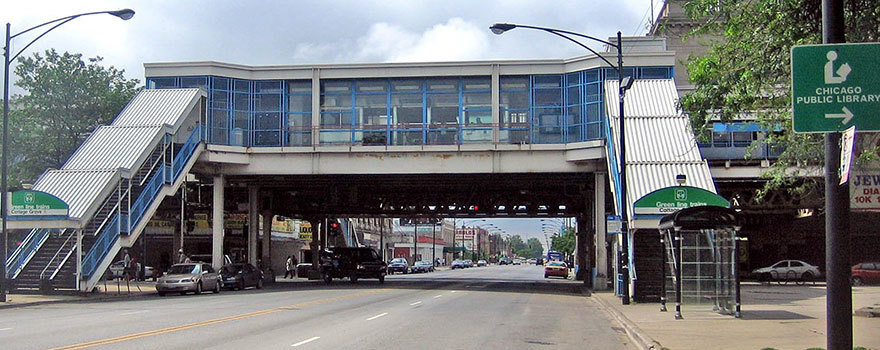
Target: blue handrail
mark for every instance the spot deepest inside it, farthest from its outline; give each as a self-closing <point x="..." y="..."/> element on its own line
<point x="105" y="240"/>
<point x="612" y="162"/>
<point x="146" y="197"/>
<point x="27" y="249"/>
<point x="185" y="153"/>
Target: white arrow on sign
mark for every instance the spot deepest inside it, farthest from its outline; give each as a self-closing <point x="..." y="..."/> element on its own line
<point x="846" y="115"/>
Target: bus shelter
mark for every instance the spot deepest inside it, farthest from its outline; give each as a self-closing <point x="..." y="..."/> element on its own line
<point x="700" y="258"/>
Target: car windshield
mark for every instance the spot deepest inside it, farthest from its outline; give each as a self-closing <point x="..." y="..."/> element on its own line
<point x="557" y="263"/>
<point x="183" y="269"/>
<point x="423" y="263"/>
<point x="232" y="269"/>
<point x="398" y="261"/>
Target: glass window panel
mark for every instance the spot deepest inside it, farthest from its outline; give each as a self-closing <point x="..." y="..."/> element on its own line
<point x="443" y="100"/>
<point x="574" y="133"/>
<point x="442" y="84"/>
<point x="407" y="137"/>
<point x="574" y="95"/>
<point x="335" y="137"/>
<point x="240" y="120"/>
<point x="409" y="116"/>
<point x="374" y="138"/>
<point x="594" y="131"/>
<point x="267" y="138"/>
<point x="370" y="86"/>
<point x="300" y="87"/>
<point x="219" y="119"/>
<point x="406" y="100"/>
<point x="163" y="83"/>
<point x="549" y="120"/>
<point x="265" y="121"/>
<point x="476" y="83"/>
<point x="443" y="136"/>
<point x="337" y="120"/>
<point x="296" y="138"/>
<point x="240" y="85"/>
<point x="514" y="83"/>
<point x="406" y="85"/>
<point x="268" y="102"/>
<point x="219" y="99"/>
<point x="655" y="73"/>
<point x="573" y="78"/>
<point x="478" y="117"/>
<point x="591" y="75"/>
<point x="335" y="102"/>
<point x="219" y="136"/>
<point x="593" y="112"/>
<point x="335" y="87"/>
<point x="219" y="83"/>
<point x="514" y="117"/>
<point x="574" y="115"/>
<point x="299" y="121"/>
<point x="478" y="99"/>
<point x="720" y="139"/>
<point x="239" y="137"/>
<point x="611" y="74"/>
<point x="372" y="101"/>
<point x="300" y="103"/>
<point x="268" y="86"/>
<point x="743" y="139"/>
<point x="592" y="93"/>
<point x="548" y="81"/>
<point x="240" y="101"/>
<point x="514" y="99"/>
<point x="548" y="97"/>
<point x="190" y="82"/>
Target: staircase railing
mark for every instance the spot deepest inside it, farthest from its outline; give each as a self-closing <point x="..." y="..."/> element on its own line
<point x="59" y="252"/>
<point x="613" y="167"/>
<point x="102" y="245"/>
<point x="146" y="197"/>
<point x="26" y="251"/>
<point x="186" y="152"/>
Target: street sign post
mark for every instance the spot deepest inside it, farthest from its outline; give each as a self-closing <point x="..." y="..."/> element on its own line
<point x="835" y="86"/>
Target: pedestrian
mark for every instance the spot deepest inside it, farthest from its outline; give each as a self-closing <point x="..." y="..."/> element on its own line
<point x="289" y="267"/>
<point x="295" y="262"/>
<point x="181" y="257"/>
<point x="126" y="265"/>
<point x="133" y="265"/>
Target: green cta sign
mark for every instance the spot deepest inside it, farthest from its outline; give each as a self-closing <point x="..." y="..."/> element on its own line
<point x="28" y="203"/>
<point x="835" y="86"/>
<point x="668" y="200"/>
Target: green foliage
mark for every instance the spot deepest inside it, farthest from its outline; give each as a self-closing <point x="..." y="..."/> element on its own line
<point x="747" y="72"/>
<point x="66" y="99"/>
<point x="564" y="243"/>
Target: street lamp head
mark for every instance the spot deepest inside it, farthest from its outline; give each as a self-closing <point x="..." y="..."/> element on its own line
<point x="125" y="14"/>
<point x="499" y="28"/>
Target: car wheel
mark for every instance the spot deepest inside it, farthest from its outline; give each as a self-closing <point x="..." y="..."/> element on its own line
<point x="240" y="285"/>
<point x="806" y="277"/>
<point x="328" y="279"/>
<point x="353" y="277"/>
<point x="217" y="287"/>
<point x="199" y="288"/>
<point x="161" y="294"/>
<point x="260" y="283"/>
<point x="381" y="279"/>
<point x="182" y="293"/>
<point x="857" y="281"/>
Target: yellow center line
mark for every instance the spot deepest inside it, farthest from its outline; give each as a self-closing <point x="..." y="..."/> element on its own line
<point x="214" y="321"/>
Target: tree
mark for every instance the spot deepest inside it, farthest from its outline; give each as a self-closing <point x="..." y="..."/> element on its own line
<point x="747" y="72"/>
<point x="66" y="99"/>
<point x="563" y="243"/>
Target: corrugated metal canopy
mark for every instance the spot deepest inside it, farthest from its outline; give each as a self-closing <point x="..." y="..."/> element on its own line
<point x="112" y="147"/>
<point x="158" y="107"/>
<point x="80" y="189"/>
<point x="659" y="140"/>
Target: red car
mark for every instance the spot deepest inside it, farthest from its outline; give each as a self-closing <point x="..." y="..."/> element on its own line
<point x="866" y="273"/>
<point x="556" y="268"/>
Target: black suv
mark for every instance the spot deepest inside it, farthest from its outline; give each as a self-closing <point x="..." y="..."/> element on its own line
<point x="354" y="263"/>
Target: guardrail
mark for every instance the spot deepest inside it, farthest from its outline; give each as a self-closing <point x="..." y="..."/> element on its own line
<point x="25" y="251"/>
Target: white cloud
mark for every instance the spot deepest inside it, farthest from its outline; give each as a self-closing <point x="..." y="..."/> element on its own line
<point x="456" y="39"/>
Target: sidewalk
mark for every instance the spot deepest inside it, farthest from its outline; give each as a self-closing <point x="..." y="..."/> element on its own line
<point x="21" y="300"/>
<point x="780" y="317"/>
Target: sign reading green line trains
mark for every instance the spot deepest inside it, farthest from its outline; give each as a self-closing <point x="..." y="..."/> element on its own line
<point x="668" y="200"/>
<point x="835" y="87"/>
<point x="28" y="203"/>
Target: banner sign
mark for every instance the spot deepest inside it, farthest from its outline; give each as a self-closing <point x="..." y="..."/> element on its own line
<point x="30" y="204"/>
<point x="668" y="200"/>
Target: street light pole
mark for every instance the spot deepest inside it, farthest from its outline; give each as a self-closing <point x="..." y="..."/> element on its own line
<point x="124" y="14"/>
<point x="622" y="85"/>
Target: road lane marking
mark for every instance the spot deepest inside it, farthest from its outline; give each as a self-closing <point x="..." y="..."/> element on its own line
<point x="377" y="316"/>
<point x="453" y="291"/>
<point x="437" y="296"/>
<point x="5" y="329"/>
<point x="134" y="312"/>
<point x="306" y="341"/>
<point x="415" y="303"/>
<point x="213" y="321"/>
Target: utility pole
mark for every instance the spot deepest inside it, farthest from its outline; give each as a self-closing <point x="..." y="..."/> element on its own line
<point x="416" y="241"/>
<point x="433" y="242"/>
<point x="838" y="302"/>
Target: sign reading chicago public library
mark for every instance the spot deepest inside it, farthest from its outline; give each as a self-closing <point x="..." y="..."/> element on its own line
<point x="668" y="200"/>
<point x="835" y="86"/>
<point x="28" y="203"/>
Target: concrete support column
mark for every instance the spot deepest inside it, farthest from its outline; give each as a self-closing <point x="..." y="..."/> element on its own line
<point x="79" y="256"/>
<point x="496" y="107"/>
<point x="253" y="223"/>
<point x="601" y="280"/>
<point x="267" y="240"/>
<point x="316" y="106"/>
<point x="217" y="223"/>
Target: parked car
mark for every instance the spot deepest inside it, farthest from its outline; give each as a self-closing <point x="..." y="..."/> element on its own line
<point x="189" y="277"/>
<point x="302" y="269"/>
<point x="789" y="270"/>
<point x="116" y="271"/>
<point x="866" y="273"/>
<point x="422" y="266"/>
<point x="482" y="263"/>
<point x="468" y="263"/>
<point x="556" y="268"/>
<point x="505" y="261"/>
<point x="208" y="258"/>
<point x="457" y="264"/>
<point x="517" y="262"/>
<point x="531" y="261"/>
<point x="241" y="275"/>
<point x="539" y="261"/>
<point x="398" y="265"/>
<point x="352" y="262"/>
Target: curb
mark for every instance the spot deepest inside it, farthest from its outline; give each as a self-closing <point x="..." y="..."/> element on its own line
<point x="85" y="299"/>
<point x="636" y="335"/>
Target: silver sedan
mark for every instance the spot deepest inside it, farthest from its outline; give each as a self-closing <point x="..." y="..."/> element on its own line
<point x="191" y="277"/>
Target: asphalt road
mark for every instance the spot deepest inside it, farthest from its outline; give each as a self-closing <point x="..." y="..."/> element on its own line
<point x="496" y="307"/>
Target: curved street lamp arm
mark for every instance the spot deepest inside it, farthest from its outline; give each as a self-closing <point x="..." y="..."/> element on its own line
<point x="13" y="57"/>
<point x="553" y="31"/>
<point x="67" y="18"/>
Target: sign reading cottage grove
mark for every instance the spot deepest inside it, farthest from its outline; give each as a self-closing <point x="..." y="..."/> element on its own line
<point x="28" y="203"/>
<point x="668" y="200"/>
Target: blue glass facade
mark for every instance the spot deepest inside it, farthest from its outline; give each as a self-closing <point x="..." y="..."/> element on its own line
<point x="534" y="109"/>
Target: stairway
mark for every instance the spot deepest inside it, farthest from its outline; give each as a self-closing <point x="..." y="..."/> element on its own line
<point x="30" y="276"/>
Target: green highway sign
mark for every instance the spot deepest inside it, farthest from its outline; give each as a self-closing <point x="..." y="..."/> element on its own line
<point x="835" y="86"/>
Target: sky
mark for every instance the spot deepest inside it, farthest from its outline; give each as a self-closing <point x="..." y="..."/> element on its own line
<point x="322" y="31"/>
